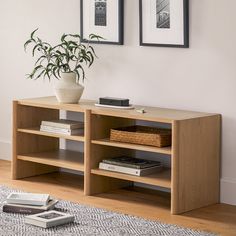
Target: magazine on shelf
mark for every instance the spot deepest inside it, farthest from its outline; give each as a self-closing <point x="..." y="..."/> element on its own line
<point x="65" y="131"/>
<point x="28" y="209"/>
<point x="28" y="199"/>
<point x="128" y="170"/>
<point x="63" y="123"/>
<point x="49" y="219"/>
<point x="131" y="162"/>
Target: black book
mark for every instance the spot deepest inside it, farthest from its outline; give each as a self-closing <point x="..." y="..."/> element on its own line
<point x="132" y="162"/>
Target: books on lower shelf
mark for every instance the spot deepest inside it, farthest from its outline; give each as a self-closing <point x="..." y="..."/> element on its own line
<point x="131" y="162"/>
<point x="49" y="219"/>
<point x="130" y="165"/>
<point x="62" y="126"/>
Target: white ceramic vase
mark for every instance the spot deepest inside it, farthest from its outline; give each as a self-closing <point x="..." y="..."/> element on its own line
<point x="67" y="90"/>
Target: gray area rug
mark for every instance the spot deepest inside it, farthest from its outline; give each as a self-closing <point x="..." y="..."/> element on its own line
<point x="89" y="221"/>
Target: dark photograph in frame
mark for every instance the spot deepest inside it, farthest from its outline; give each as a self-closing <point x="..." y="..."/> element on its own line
<point x="104" y="18"/>
<point x="164" y="23"/>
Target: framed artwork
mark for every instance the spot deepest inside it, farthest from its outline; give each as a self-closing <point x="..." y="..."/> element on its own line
<point x="104" y="18"/>
<point x="164" y="23"/>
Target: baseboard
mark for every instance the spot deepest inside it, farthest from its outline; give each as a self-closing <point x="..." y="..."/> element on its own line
<point x="228" y="191"/>
<point x="5" y="150"/>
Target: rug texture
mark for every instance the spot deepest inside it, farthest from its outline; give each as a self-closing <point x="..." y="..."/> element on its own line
<point x="89" y="221"/>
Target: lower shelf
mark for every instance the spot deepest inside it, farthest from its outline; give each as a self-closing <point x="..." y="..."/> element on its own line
<point x="60" y="158"/>
<point x="161" y="179"/>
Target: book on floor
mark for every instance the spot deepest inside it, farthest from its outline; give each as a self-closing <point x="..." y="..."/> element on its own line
<point x="65" y="131"/>
<point x="131" y="162"/>
<point x="28" y="199"/>
<point x="28" y="209"/>
<point x="49" y="219"/>
<point x="128" y="170"/>
<point x="63" y="123"/>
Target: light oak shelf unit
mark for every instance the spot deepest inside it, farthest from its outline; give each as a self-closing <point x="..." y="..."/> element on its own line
<point x="193" y="179"/>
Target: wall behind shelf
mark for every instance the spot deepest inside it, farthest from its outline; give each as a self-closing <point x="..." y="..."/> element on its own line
<point x="200" y="78"/>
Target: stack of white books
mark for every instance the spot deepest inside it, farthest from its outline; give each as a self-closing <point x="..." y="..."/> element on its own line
<point x="62" y="126"/>
<point x="28" y="203"/>
<point x="131" y="165"/>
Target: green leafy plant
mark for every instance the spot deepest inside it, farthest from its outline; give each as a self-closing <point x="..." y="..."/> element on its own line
<point x="70" y="55"/>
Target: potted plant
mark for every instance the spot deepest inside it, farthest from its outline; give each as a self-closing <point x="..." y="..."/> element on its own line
<point x="64" y="61"/>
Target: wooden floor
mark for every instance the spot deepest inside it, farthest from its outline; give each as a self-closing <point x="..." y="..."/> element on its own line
<point x="220" y="218"/>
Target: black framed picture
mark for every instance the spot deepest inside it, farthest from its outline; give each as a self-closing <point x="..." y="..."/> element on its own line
<point x="104" y="18"/>
<point x="164" y="23"/>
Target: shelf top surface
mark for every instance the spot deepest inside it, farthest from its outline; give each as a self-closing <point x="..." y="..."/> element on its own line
<point x="151" y="113"/>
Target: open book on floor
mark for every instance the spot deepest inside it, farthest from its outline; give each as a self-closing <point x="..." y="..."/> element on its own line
<point x="49" y="219"/>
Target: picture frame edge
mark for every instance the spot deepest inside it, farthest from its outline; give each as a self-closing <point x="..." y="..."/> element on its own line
<point x="185" y="30"/>
<point x="120" y="27"/>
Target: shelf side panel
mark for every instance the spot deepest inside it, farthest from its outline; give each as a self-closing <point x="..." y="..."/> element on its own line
<point x="195" y="163"/>
<point x="87" y="152"/>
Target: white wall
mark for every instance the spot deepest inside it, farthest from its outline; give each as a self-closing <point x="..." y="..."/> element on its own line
<point x="200" y="78"/>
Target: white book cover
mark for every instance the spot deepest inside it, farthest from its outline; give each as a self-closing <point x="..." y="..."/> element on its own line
<point x="49" y="219"/>
<point x="63" y="123"/>
<point x="128" y="170"/>
<point x="28" y="199"/>
<point x="56" y="130"/>
<point x="51" y="203"/>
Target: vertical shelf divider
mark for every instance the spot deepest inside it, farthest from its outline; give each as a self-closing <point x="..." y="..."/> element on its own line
<point x="87" y="152"/>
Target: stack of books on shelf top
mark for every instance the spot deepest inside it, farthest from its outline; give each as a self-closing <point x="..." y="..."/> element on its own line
<point x="131" y="165"/>
<point x="28" y="203"/>
<point x="62" y="126"/>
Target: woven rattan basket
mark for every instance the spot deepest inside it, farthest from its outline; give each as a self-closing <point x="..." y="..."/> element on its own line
<point x="142" y="135"/>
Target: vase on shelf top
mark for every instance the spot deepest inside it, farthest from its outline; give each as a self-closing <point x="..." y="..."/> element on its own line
<point x="67" y="89"/>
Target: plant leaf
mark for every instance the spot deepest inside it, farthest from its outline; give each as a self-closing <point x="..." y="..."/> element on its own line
<point x="27" y="43"/>
<point x="40" y="58"/>
<point x="92" y="58"/>
<point x="32" y="34"/>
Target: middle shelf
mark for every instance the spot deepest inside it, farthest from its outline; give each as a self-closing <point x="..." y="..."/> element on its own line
<point x="36" y="130"/>
<point x="59" y="158"/>
<point x="107" y="142"/>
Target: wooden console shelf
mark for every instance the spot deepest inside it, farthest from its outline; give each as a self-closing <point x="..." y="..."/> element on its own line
<point x="192" y="177"/>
